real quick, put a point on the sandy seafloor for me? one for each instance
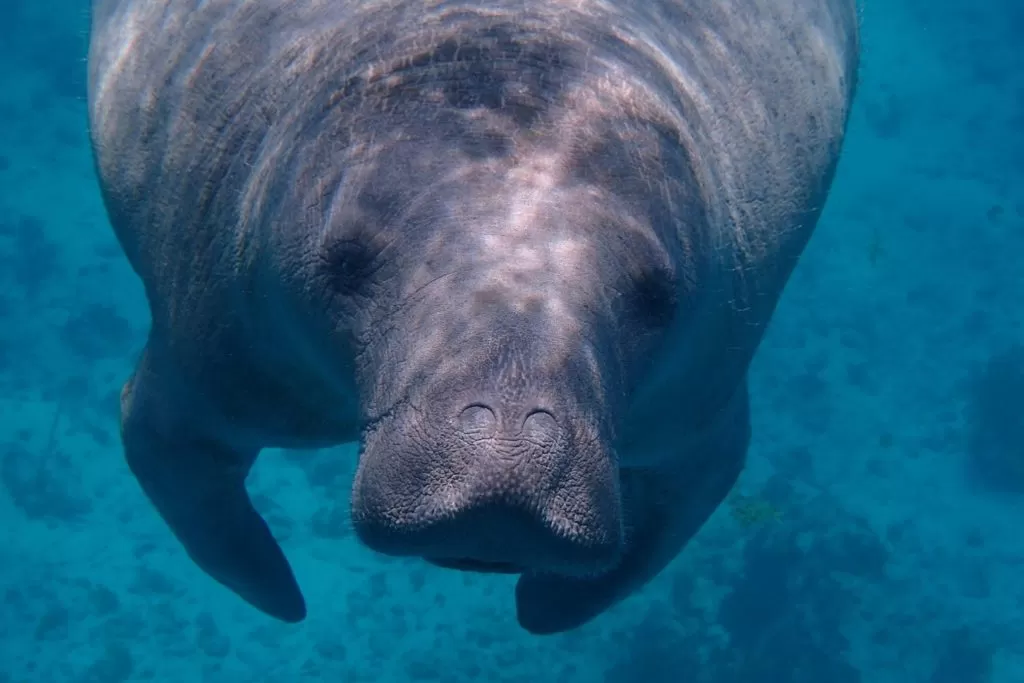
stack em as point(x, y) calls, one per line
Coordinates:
point(864, 551)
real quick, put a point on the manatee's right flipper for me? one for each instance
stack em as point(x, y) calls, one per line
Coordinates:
point(198, 486)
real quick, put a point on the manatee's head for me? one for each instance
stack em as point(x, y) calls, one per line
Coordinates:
point(515, 317)
point(505, 283)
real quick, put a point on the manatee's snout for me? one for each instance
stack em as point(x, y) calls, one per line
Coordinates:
point(493, 484)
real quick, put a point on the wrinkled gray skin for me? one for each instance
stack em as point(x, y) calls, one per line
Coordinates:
point(523, 250)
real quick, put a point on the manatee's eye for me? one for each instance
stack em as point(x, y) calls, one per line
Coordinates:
point(348, 263)
point(655, 298)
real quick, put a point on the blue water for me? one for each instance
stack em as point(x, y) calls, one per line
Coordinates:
point(875, 536)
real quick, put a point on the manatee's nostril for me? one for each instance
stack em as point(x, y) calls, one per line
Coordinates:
point(540, 424)
point(478, 419)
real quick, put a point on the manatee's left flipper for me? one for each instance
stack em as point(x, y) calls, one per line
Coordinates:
point(197, 484)
point(664, 509)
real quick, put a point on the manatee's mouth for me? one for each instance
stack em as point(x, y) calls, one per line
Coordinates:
point(465, 564)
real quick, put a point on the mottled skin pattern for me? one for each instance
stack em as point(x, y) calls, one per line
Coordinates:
point(523, 250)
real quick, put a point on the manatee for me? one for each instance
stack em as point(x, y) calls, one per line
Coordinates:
point(522, 251)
